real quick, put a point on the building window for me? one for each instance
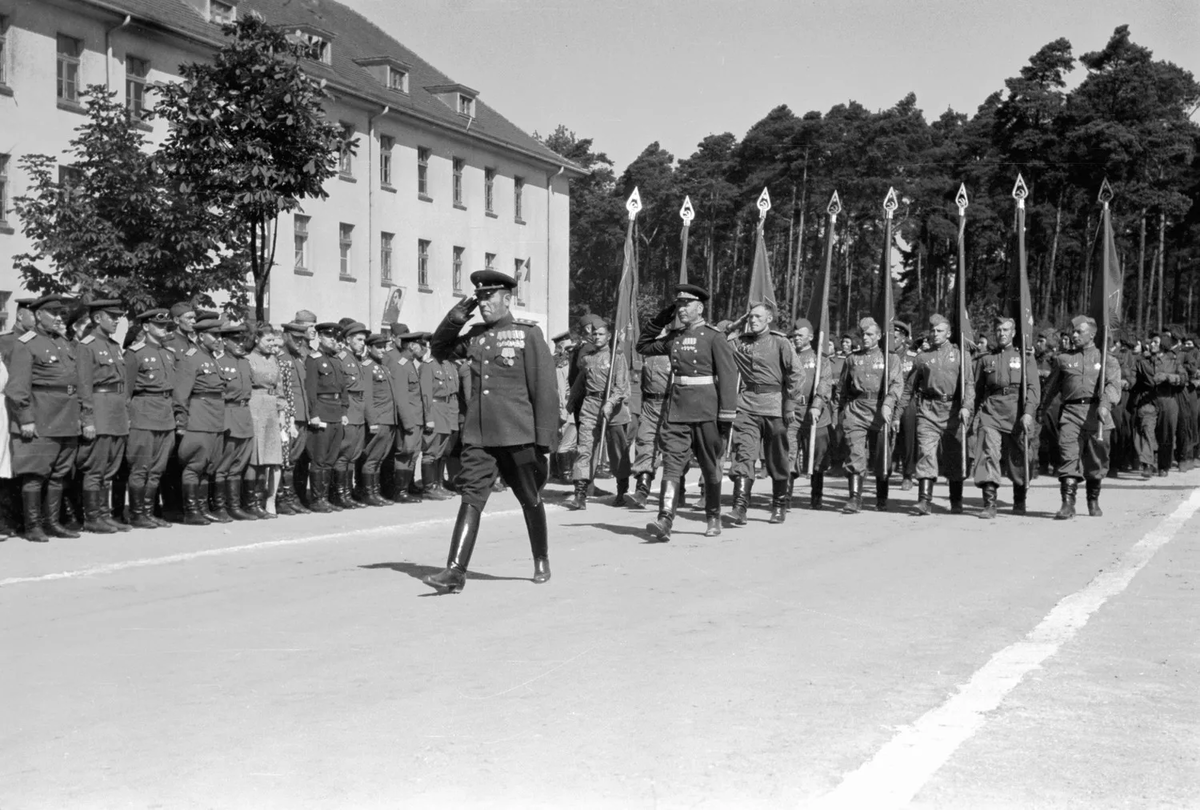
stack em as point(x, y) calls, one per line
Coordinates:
point(346, 159)
point(385, 160)
point(466, 106)
point(5, 297)
point(518, 197)
point(458, 186)
point(3, 189)
point(221, 13)
point(300, 237)
point(345, 250)
point(422, 171)
point(314, 47)
point(385, 256)
point(423, 263)
point(456, 274)
point(69, 178)
point(489, 190)
point(137, 71)
point(397, 79)
point(489, 261)
point(69, 50)
point(3, 49)
point(521, 274)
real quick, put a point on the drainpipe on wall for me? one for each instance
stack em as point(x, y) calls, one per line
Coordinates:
point(371, 214)
point(108, 54)
point(549, 196)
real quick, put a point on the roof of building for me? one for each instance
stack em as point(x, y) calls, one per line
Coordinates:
point(355, 39)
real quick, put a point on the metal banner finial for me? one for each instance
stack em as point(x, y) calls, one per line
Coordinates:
point(634, 203)
point(1106, 193)
point(889, 203)
point(1020, 191)
point(835, 206)
point(687, 213)
point(764, 204)
point(961, 200)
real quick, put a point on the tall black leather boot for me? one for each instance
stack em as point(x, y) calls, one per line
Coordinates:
point(1018, 500)
point(712, 507)
point(1093, 497)
point(233, 500)
point(205, 492)
point(286, 501)
point(989, 501)
point(854, 501)
point(150, 501)
point(430, 482)
point(578, 500)
point(218, 512)
point(344, 479)
point(259, 486)
point(924, 496)
point(622, 491)
point(741, 499)
point(332, 479)
point(779, 500)
point(137, 508)
point(956, 497)
point(462, 546)
point(50, 511)
point(660, 528)
point(93, 516)
point(295, 488)
point(816, 495)
point(371, 496)
point(641, 491)
point(539, 544)
point(107, 499)
point(31, 506)
point(882, 488)
point(403, 494)
point(1067, 488)
point(193, 514)
point(318, 484)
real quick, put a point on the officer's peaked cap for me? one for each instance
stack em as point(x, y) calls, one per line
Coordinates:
point(208, 325)
point(690, 292)
point(233, 329)
point(51, 302)
point(355, 328)
point(329, 327)
point(397, 329)
point(161, 317)
point(485, 280)
point(296, 328)
point(110, 305)
point(561, 336)
point(802, 323)
point(902, 326)
point(377, 340)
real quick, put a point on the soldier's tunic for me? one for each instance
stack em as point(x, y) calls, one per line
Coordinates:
point(325, 388)
point(178, 343)
point(837, 366)
point(864, 392)
point(906, 436)
point(43, 389)
point(588, 397)
point(410, 410)
point(200, 414)
point(1082, 435)
point(1000, 435)
point(1157, 379)
point(237, 443)
point(150, 381)
point(381, 416)
point(354, 437)
point(567, 434)
point(439, 391)
point(655, 380)
point(703, 395)
point(934, 383)
point(1190, 366)
point(512, 415)
point(1124, 451)
point(1186, 399)
point(814, 389)
point(103, 406)
point(769, 382)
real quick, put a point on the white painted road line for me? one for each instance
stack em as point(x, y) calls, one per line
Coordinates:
point(401, 529)
point(901, 768)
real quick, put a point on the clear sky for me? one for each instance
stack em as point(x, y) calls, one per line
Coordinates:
point(629, 72)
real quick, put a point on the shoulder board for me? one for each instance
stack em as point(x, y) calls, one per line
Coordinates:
point(341, 355)
point(190, 352)
point(402, 361)
point(28, 336)
point(777, 333)
point(137, 347)
point(88, 339)
point(365, 363)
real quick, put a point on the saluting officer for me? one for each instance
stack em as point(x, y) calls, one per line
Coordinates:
point(511, 419)
point(410, 409)
point(150, 381)
point(354, 437)
point(439, 392)
point(231, 500)
point(328, 404)
point(655, 380)
point(1003, 422)
point(814, 401)
point(381, 418)
point(199, 419)
point(943, 409)
point(1086, 417)
point(766, 408)
point(596, 402)
point(43, 401)
point(105, 413)
point(868, 402)
point(702, 404)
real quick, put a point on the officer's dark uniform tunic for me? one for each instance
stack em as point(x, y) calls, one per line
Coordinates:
point(1000, 436)
point(934, 383)
point(103, 406)
point(591, 387)
point(200, 413)
point(328, 401)
point(381, 414)
point(150, 381)
point(354, 436)
point(439, 392)
point(770, 381)
point(1156, 383)
point(238, 438)
point(410, 410)
point(43, 389)
point(811, 391)
point(863, 395)
point(1082, 436)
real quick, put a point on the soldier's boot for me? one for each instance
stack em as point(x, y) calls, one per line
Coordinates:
point(712, 508)
point(622, 491)
point(989, 501)
point(233, 500)
point(956, 497)
point(668, 494)
point(701, 499)
point(347, 489)
point(854, 501)
point(1067, 487)
point(150, 500)
point(214, 495)
point(318, 484)
point(193, 514)
point(93, 515)
point(285, 494)
point(259, 494)
point(578, 500)
point(50, 511)
point(371, 496)
point(816, 494)
point(924, 496)
point(882, 488)
point(1093, 497)
point(526, 490)
point(462, 546)
point(137, 508)
point(641, 491)
point(1018, 507)
point(71, 512)
point(31, 506)
point(333, 489)
point(295, 486)
point(431, 482)
point(780, 499)
point(206, 507)
point(108, 497)
point(741, 499)
point(403, 480)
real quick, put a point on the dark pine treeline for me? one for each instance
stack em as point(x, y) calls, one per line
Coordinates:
point(1130, 120)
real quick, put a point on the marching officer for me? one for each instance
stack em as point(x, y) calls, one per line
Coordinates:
point(439, 389)
point(199, 419)
point(511, 420)
point(814, 401)
point(702, 404)
point(1157, 377)
point(596, 402)
point(43, 399)
point(1088, 395)
point(944, 408)
point(105, 414)
point(354, 436)
point(655, 380)
point(1004, 424)
point(410, 409)
point(381, 418)
point(868, 402)
point(328, 404)
point(770, 383)
point(150, 381)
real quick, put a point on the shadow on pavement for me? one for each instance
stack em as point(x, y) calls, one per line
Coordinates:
point(614, 528)
point(419, 571)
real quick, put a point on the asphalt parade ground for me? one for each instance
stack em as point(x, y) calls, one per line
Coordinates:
point(869, 661)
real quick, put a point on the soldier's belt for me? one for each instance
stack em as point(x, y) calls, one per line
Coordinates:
point(208, 395)
point(163, 394)
point(762, 388)
point(1081, 401)
point(329, 397)
point(867, 394)
point(653, 396)
point(936, 397)
point(355, 394)
point(116, 388)
point(58, 389)
point(269, 389)
point(1004, 389)
point(706, 379)
point(440, 399)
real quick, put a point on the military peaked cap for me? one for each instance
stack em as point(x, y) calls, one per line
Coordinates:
point(690, 292)
point(109, 305)
point(902, 326)
point(486, 280)
point(355, 328)
point(53, 302)
point(161, 317)
point(330, 328)
point(377, 340)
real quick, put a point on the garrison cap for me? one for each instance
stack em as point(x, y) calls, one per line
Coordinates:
point(902, 326)
point(865, 324)
point(233, 329)
point(305, 317)
point(802, 323)
point(52, 302)
point(487, 280)
point(110, 305)
point(937, 320)
point(181, 308)
point(1048, 334)
point(561, 336)
point(690, 292)
point(329, 327)
point(591, 319)
point(162, 317)
point(213, 324)
point(398, 329)
point(378, 340)
point(296, 328)
point(355, 328)
point(1080, 320)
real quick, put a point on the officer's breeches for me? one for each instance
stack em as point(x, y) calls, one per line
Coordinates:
point(323, 446)
point(645, 457)
point(999, 454)
point(98, 460)
point(680, 440)
point(1083, 452)
point(353, 442)
point(752, 432)
point(408, 444)
point(147, 452)
point(379, 447)
point(198, 455)
point(235, 457)
point(522, 468)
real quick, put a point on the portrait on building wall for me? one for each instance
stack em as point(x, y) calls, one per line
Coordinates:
point(395, 305)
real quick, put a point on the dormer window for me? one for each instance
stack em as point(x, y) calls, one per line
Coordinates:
point(397, 79)
point(221, 13)
point(466, 106)
point(314, 43)
point(390, 72)
point(457, 97)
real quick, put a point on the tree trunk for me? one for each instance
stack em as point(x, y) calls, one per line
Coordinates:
point(1141, 306)
point(1049, 292)
point(1162, 262)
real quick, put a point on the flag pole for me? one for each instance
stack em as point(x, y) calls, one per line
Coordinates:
point(962, 201)
point(1105, 197)
point(822, 325)
point(1020, 192)
point(687, 214)
point(889, 208)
